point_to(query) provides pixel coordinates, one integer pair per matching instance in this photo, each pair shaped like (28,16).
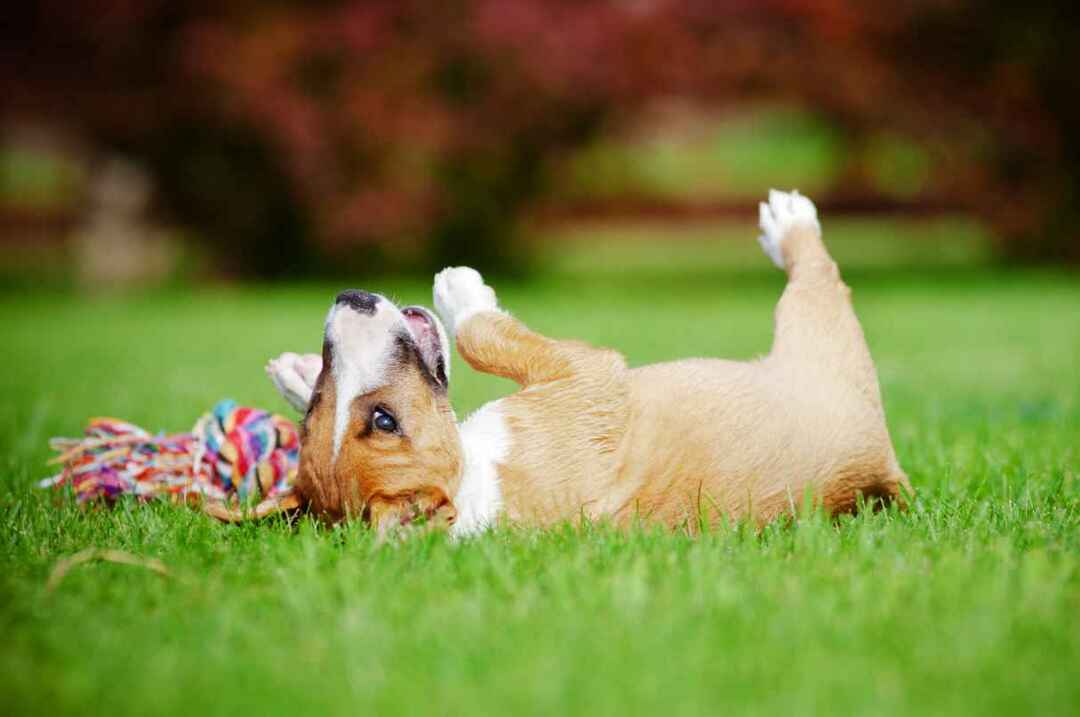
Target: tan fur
(701,438)
(675,443)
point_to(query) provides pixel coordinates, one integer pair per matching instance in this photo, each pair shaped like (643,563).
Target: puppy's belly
(721,438)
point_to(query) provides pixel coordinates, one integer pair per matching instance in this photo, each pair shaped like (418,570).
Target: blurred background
(147,142)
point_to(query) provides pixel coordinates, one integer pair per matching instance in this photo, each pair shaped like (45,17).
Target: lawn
(969,602)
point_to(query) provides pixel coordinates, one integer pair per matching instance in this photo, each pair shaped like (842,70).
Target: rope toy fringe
(233,457)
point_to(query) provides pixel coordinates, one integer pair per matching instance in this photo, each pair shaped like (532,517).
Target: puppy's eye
(384,421)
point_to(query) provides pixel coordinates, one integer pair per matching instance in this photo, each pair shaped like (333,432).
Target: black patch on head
(407,352)
(357,300)
(327,352)
(440,372)
(316,393)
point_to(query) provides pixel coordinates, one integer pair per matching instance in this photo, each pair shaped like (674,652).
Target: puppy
(686,443)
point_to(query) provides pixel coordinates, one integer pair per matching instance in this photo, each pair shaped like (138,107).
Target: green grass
(969,602)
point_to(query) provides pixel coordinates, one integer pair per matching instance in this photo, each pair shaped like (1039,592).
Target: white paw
(294,377)
(459,293)
(783,212)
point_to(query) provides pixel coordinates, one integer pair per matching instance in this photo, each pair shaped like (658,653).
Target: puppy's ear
(398,515)
(444,345)
(432,342)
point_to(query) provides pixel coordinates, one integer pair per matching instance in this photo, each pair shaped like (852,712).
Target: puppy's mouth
(430,340)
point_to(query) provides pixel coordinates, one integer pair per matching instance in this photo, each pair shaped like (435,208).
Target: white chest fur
(485,442)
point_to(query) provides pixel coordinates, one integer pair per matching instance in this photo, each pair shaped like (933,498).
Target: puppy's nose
(356,300)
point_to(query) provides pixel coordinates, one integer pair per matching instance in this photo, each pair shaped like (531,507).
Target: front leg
(494,342)
(294,377)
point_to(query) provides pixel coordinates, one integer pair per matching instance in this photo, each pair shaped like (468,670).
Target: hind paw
(784,212)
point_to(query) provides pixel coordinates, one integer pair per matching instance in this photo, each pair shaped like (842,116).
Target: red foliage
(394,118)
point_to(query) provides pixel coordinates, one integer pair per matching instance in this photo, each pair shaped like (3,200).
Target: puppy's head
(379,440)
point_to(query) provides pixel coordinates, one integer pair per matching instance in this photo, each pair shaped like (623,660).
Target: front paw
(399,517)
(294,377)
(459,293)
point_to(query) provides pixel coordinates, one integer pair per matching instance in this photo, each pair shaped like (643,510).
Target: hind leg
(819,343)
(816,326)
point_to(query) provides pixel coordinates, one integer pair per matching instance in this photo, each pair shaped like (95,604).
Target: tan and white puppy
(681,443)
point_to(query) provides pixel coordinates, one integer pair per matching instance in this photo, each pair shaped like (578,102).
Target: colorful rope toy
(237,462)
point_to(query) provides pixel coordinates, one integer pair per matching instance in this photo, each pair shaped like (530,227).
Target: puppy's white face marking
(362,346)
(784,212)
(459,293)
(485,439)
